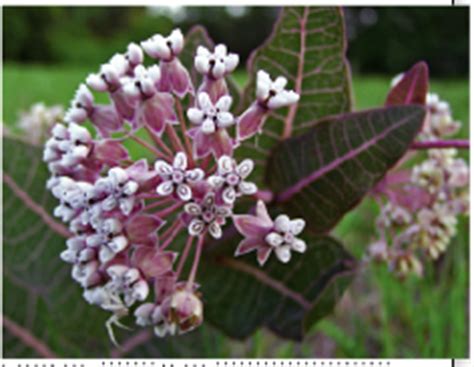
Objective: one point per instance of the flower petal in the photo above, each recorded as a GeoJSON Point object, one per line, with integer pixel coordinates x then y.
{"type": "Point", "coordinates": [298, 245]}
{"type": "Point", "coordinates": [163, 168]}
{"type": "Point", "coordinates": [297, 226]}
{"type": "Point", "coordinates": [282, 223]}
{"type": "Point", "coordinates": [283, 253]}
{"type": "Point", "coordinates": [165, 188]}
{"type": "Point", "coordinates": [251, 226]}
{"type": "Point", "coordinates": [196, 227]}
{"type": "Point", "coordinates": [184, 192]}
{"type": "Point", "coordinates": [215, 230]}
{"type": "Point", "coordinates": [180, 161]}
{"type": "Point", "coordinates": [274, 239]}
{"type": "Point", "coordinates": [263, 254]}
{"type": "Point", "coordinates": [247, 188]}
{"type": "Point", "coordinates": [247, 245]}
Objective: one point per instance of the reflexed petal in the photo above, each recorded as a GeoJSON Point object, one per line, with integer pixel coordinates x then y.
{"type": "Point", "coordinates": [283, 253]}
{"type": "Point", "coordinates": [215, 230]}
{"type": "Point", "coordinates": [251, 121]}
{"type": "Point", "coordinates": [297, 226]}
{"type": "Point", "coordinates": [247, 188]}
{"type": "Point", "coordinates": [274, 239]}
{"type": "Point", "coordinates": [202, 144]}
{"type": "Point", "coordinates": [298, 245]}
{"type": "Point", "coordinates": [184, 192]}
{"type": "Point", "coordinates": [262, 213]}
{"type": "Point", "coordinates": [196, 227]}
{"type": "Point", "coordinates": [251, 226]}
{"type": "Point", "coordinates": [221, 143]}
{"type": "Point", "coordinates": [263, 254]}
{"type": "Point", "coordinates": [282, 223]}
{"type": "Point", "coordinates": [247, 245]}
{"type": "Point", "coordinates": [165, 188]}
{"type": "Point", "coordinates": [180, 161]}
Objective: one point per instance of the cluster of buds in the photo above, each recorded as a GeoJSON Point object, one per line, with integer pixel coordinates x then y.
{"type": "Point", "coordinates": [35, 124]}
{"type": "Point", "coordinates": [419, 207]}
{"type": "Point", "coordinates": [126, 215]}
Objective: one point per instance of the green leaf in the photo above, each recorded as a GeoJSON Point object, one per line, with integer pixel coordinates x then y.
{"type": "Point", "coordinates": [240, 296]}
{"type": "Point", "coordinates": [308, 47]}
{"type": "Point", "coordinates": [198, 36]}
{"type": "Point", "coordinates": [324, 173]}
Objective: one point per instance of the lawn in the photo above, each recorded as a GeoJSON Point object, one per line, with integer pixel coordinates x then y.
{"type": "Point", "coordinates": [379, 315]}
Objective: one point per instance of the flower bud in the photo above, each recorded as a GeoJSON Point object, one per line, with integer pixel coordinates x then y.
{"type": "Point", "coordinates": [186, 310]}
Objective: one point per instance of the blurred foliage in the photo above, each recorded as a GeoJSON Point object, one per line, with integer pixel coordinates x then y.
{"type": "Point", "coordinates": [382, 39]}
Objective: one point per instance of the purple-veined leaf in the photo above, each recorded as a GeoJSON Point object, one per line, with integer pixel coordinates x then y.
{"type": "Point", "coordinates": [411, 88]}
{"type": "Point", "coordinates": [324, 173]}
{"type": "Point", "coordinates": [240, 296]}
{"type": "Point", "coordinates": [198, 36]}
{"type": "Point", "coordinates": [307, 46]}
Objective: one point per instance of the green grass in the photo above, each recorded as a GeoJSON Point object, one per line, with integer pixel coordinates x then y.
{"type": "Point", "coordinates": [379, 315]}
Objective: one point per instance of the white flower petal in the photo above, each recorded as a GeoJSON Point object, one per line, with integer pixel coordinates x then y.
{"type": "Point", "coordinates": [298, 245]}
{"type": "Point", "coordinates": [245, 168]}
{"type": "Point", "coordinates": [274, 239]}
{"type": "Point", "coordinates": [184, 192]}
{"type": "Point", "coordinates": [225, 165]}
{"type": "Point", "coordinates": [247, 188]}
{"type": "Point", "coordinates": [165, 188]}
{"type": "Point", "coordinates": [224, 103]}
{"type": "Point", "coordinates": [194, 175]}
{"type": "Point", "coordinates": [195, 115]}
{"type": "Point", "coordinates": [229, 195]}
{"type": "Point", "coordinates": [282, 223]}
{"type": "Point", "coordinates": [215, 181]}
{"type": "Point", "coordinates": [208, 126]}
{"type": "Point", "coordinates": [297, 226]}
{"type": "Point", "coordinates": [283, 253]}
{"type": "Point", "coordinates": [225, 119]}
{"type": "Point", "coordinates": [180, 161]}
{"type": "Point", "coordinates": [215, 230]}
{"type": "Point", "coordinates": [196, 227]}
{"type": "Point", "coordinates": [193, 209]}
{"type": "Point", "coordinates": [163, 168]}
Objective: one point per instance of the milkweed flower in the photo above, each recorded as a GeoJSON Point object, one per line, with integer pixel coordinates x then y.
{"type": "Point", "coordinates": [129, 209]}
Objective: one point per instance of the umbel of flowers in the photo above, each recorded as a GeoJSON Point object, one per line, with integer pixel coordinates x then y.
{"type": "Point", "coordinates": [126, 216]}
{"type": "Point", "coordinates": [420, 206]}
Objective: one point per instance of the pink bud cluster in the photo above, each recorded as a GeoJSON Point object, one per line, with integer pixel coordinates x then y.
{"type": "Point", "coordinates": [419, 207]}
{"type": "Point", "coordinates": [125, 215]}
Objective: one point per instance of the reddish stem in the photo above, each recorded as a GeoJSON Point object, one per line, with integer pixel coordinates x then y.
{"type": "Point", "coordinates": [264, 195]}
{"type": "Point", "coordinates": [175, 140]}
{"type": "Point", "coordinates": [441, 144]}
{"type": "Point", "coordinates": [197, 257]}
{"type": "Point", "coordinates": [159, 203]}
{"type": "Point", "coordinates": [184, 256]}
{"type": "Point", "coordinates": [165, 212]}
{"type": "Point", "coordinates": [159, 142]}
{"type": "Point", "coordinates": [154, 150]}
{"type": "Point", "coordinates": [171, 233]}
{"type": "Point", "coordinates": [182, 124]}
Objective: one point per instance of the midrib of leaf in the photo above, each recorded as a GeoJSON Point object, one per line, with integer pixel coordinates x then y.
{"type": "Point", "coordinates": [289, 192]}
{"type": "Point", "coordinates": [36, 208]}
{"type": "Point", "coordinates": [299, 76]}
{"type": "Point", "coordinates": [266, 280]}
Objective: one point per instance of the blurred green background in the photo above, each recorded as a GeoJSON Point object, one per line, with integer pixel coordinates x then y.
{"type": "Point", "coordinates": [48, 51]}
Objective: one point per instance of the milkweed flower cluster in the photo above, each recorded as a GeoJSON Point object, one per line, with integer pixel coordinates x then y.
{"type": "Point", "coordinates": [420, 207]}
{"type": "Point", "coordinates": [126, 215]}
{"type": "Point", "coordinates": [35, 123]}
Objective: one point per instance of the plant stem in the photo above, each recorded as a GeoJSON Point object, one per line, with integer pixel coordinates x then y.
{"type": "Point", "coordinates": [175, 140]}
{"type": "Point", "coordinates": [165, 212]}
{"type": "Point", "coordinates": [264, 195]}
{"type": "Point", "coordinates": [184, 256]}
{"type": "Point", "coordinates": [171, 233]}
{"type": "Point", "coordinates": [441, 144]}
{"type": "Point", "coordinates": [182, 123]}
{"type": "Point", "coordinates": [197, 257]}
{"type": "Point", "coordinates": [154, 150]}
{"type": "Point", "coordinates": [158, 203]}
{"type": "Point", "coordinates": [159, 142]}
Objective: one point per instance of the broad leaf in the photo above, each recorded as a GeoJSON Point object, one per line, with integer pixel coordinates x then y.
{"type": "Point", "coordinates": [198, 36]}
{"type": "Point", "coordinates": [324, 173]}
{"type": "Point", "coordinates": [307, 47]}
{"type": "Point", "coordinates": [411, 88]}
{"type": "Point", "coordinates": [289, 298]}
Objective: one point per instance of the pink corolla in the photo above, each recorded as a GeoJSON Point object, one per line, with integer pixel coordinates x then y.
{"type": "Point", "coordinates": [211, 135]}
{"type": "Point", "coordinates": [264, 235]}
